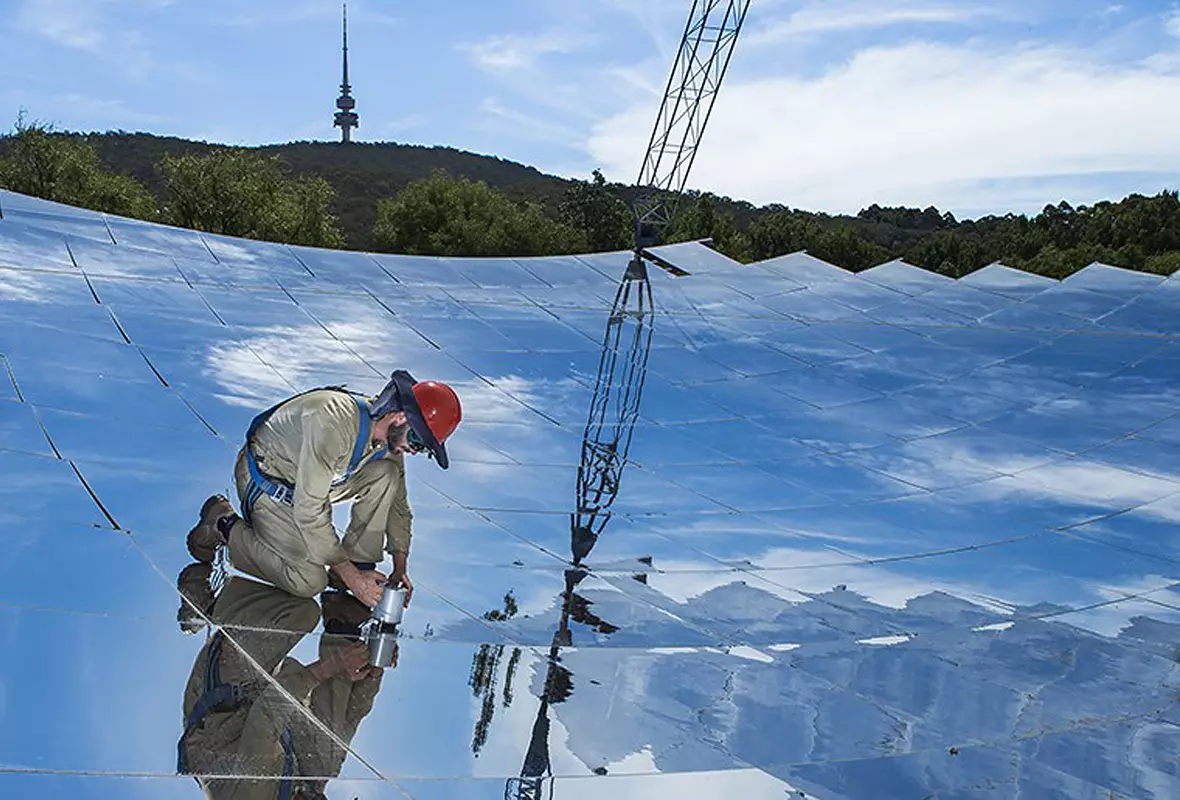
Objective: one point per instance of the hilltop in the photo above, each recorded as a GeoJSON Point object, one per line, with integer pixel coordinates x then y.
{"type": "Point", "coordinates": [442, 201]}
{"type": "Point", "coordinates": [361, 173]}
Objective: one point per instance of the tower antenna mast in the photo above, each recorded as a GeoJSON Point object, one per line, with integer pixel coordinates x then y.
{"type": "Point", "coordinates": [346, 118]}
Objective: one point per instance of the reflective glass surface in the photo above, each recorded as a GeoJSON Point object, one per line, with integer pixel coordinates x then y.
{"type": "Point", "coordinates": [883, 534]}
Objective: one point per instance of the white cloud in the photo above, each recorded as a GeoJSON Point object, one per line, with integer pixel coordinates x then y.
{"type": "Point", "coordinates": [662, 21]}
{"type": "Point", "coordinates": [235, 366]}
{"type": "Point", "coordinates": [829, 17]}
{"type": "Point", "coordinates": [922, 123]}
{"type": "Point", "coordinates": [110, 31]}
{"type": "Point", "coordinates": [527, 126]}
{"type": "Point", "coordinates": [299, 356]}
{"type": "Point", "coordinates": [85, 24]}
{"type": "Point", "coordinates": [641, 83]}
{"type": "Point", "coordinates": [1172, 23]}
{"type": "Point", "coordinates": [512, 52]}
{"type": "Point", "coordinates": [99, 110]}
{"type": "Point", "coordinates": [67, 22]}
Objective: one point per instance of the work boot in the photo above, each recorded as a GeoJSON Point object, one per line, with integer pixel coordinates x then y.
{"type": "Point", "coordinates": [204, 539]}
{"type": "Point", "coordinates": [197, 593]}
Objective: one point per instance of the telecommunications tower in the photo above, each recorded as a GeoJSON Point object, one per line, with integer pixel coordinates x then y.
{"type": "Point", "coordinates": [346, 117]}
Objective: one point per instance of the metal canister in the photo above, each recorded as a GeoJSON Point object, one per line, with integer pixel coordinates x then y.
{"type": "Point", "coordinates": [381, 629]}
{"type": "Point", "coordinates": [393, 603]}
{"type": "Point", "coordinates": [382, 646]}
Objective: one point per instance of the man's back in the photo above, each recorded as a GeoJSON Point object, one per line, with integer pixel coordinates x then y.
{"type": "Point", "coordinates": [314, 432]}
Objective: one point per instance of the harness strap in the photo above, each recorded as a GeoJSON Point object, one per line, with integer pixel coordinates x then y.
{"type": "Point", "coordinates": [288, 764]}
{"type": "Point", "coordinates": [220, 697]}
{"type": "Point", "coordinates": [279, 490]}
{"type": "Point", "coordinates": [217, 697]}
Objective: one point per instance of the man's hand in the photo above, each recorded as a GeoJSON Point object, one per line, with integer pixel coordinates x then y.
{"type": "Point", "coordinates": [404, 579]}
{"type": "Point", "coordinates": [367, 585]}
{"type": "Point", "coordinates": [350, 662]}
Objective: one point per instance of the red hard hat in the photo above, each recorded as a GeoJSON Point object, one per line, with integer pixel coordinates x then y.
{"type": "Point", "coordinates": [440, 407]}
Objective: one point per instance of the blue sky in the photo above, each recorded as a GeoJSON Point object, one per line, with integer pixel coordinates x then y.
{"type": "Point", "coordinates": [975, 107]}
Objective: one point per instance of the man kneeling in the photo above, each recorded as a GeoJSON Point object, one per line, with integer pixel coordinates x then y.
{"type": "Point", "coordinates": [322, 447]}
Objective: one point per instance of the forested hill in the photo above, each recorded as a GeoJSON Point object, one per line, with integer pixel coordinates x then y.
{"type": "Point", "coordinates": [361, 173]}
{"type": "Point", "coordinates": [440, 201]}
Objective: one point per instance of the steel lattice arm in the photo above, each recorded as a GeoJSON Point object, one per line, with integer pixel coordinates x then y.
{"type": "Point", "coordinates": [705, 50]}
{"type": "Point", "coordinates": [701, 62]}
{"type": "Point", "coordinates": [536, 775]}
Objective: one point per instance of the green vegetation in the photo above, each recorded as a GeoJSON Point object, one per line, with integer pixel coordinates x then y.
{"type": "Point", "coordinates": [597, 211]}
{"type": "Point", "coordinates": [242, 193]}
{"type": "Point", "coordinates": [233, 191]}
{"type": "Point", "coordinates": [37, 161]}
{"type": "Point", "coordinates": [440, 201]}
{"type": "Point", "coordinates": [445, 216]}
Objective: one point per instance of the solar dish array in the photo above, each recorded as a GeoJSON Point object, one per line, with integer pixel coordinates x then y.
{"type": "Point", "coordinates": [883, 534]}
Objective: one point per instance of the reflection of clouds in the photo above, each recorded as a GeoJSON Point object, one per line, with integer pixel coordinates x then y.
{"type": "Point", "coordinates": [789, 571]}
{"type": "Point", "coordinates": [502, 402]}
{"type": "Point", "coordinates": [291, 352]}
{"type": "Point", "coordinates": [1066, 481]}
{"type": "Point", "coordinates": [387, 344]}
{"type": "Point", "coordinates": [732, 525]}
{"type": "Point", "coordinates": [745, 651]}
{"type": "Point", "coordinates": [1138, 597]}
{"type": "Point", "coordinates": [503, 416]}
{"type": "Point", "coordinates": [783, 574]}
{"type": "Point", "coordinates": [299, 351]}
{"type": "Point", "coordinates": [831, 705]}
{"type": "Point", "coordinates": [234, 366]}
{"type": "Point", "coordinates": [794, 575]}
{"type": "Point", "coordinates": [1166, 509]}
{"type": "Point", "coordinates": [22, 286]}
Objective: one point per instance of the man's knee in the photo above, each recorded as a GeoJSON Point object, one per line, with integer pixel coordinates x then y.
{"type": "Point", "coordinates": [302, 618]}
{"type": "Point", "coordinates": [306, 581]}
{"type": "Point", "coordinates": [301, 579]}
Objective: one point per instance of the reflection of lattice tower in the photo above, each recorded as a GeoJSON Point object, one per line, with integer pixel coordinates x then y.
{"type": "Point", "coordinates": [346, 118]}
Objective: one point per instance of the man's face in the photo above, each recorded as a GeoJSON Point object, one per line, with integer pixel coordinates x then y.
{"type": "Point", "coordinates": [397, 432]}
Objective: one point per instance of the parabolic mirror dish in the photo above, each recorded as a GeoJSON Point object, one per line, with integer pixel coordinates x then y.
{"type": "Point", "coordinates": [883, 534]}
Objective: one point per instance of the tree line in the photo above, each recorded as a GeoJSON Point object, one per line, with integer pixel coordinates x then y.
{"type": "Point", "coordinates": [254, 193]}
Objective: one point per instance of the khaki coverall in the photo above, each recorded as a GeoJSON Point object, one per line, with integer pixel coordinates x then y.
{"type": "Point", "coordinates": [266, 623]}
{"type": "Point", "coordinates": [308, 442]}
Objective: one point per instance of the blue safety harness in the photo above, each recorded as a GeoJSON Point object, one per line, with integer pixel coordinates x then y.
{"type": "Point", "coordinates": [219, 698]}
{"type": "Point", "coordinates": [282, 492]}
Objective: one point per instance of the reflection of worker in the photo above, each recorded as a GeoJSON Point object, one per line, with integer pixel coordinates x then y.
{"type": "Point", "coordinates": [323, 447]}
{"type": "Point", "coordinates": [239, 714]}
{"type": "Point", "coordinates": [342, 701]}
